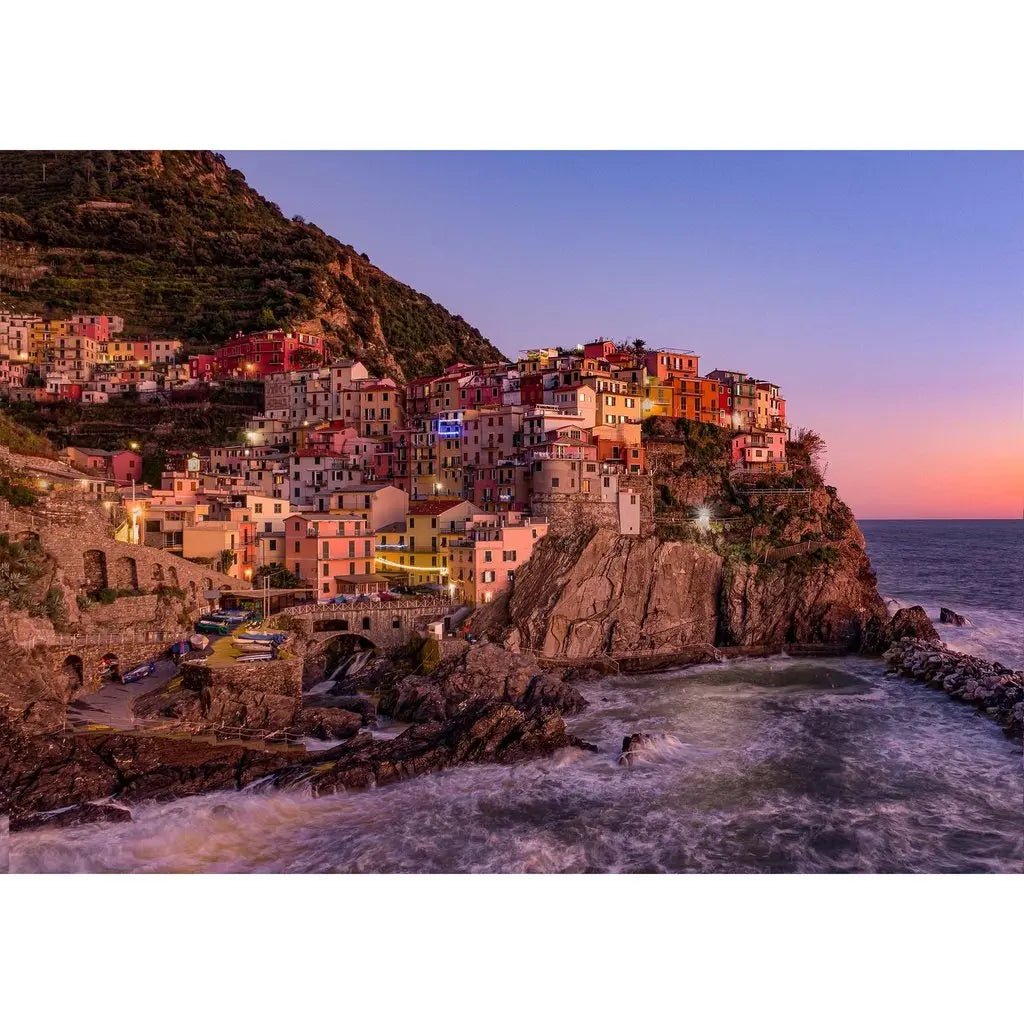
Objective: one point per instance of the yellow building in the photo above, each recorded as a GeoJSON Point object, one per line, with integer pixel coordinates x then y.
{"type": "Point", "coordinates": [658, 399]}
{"type": "Point", "coordinates": [414, 551]}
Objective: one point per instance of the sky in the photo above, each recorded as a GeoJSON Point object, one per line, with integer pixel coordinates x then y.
{"type": "Point", "coordinates": [883, 291]}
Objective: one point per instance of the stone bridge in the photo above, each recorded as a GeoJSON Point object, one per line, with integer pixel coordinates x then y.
{"type": "Point", "coordinates": [386, 625]}
{"type": "Point", "coordinates": [76, 662]}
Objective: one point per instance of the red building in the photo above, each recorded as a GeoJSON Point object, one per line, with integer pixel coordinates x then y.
{"type": "Point", "coordinates": [202, 367]}
{"type": "Point", "coordinates": [256, 355]}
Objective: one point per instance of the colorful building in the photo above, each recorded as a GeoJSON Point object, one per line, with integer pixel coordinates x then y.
{"type": "Point", "coordinates": [334, 553]}
{"type": "Point", "coordinates": [484, 562]}
{"type": "Point", "coordinates": [254, 356]}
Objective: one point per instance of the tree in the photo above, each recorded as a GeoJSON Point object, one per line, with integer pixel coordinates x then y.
{"type": "Point", "coordinates": [225, 560]}
{"type": "Point", "coordinates": [278, 575]}
{"type": "Point", "coordinates": [305, 358]}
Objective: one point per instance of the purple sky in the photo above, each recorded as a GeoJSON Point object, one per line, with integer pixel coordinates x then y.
{"type": "Point", "coordinates": [883, 291]}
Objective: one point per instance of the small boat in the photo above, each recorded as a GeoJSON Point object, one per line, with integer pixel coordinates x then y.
{"type": "Point", "coordinates": [198, 642]}
{"type": "Point", "coordinates": [231, 616]}
{"type": "Point", "coordinates": [254, 646]}
{"type": "Point", "coordinates": [261, 656]}
{"type": "Point", "coordinates": [139, 672]}
{"type": "Point", "coordinates": [212, 626]}
{"type": "Point", "coordinates": [267, 637]}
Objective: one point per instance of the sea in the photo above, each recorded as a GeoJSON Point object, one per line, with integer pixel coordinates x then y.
{"type": "Point", "coordinates": [772, 765]}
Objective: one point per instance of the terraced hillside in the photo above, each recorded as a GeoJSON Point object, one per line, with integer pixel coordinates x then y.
{"type": "Point", "coordinates": [180, 245]}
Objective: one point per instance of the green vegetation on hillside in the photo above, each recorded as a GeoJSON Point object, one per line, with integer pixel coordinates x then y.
{"type": "Point", "coordinates": [180, 245]}
{"type": "Point", "coordinates": [21, 440]}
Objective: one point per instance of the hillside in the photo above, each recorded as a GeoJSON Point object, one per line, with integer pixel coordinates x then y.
{"type": "Point", "coordinates": [180, 245]}
{"type": "Point", "coordinates": [21, 440]}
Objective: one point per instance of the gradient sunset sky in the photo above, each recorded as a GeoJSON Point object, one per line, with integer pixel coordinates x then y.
{"type": "Point", "coordinates": [883, 291]}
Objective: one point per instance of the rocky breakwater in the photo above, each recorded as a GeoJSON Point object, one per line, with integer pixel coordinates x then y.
{"type": "Point", "coordinates": [990, 687]}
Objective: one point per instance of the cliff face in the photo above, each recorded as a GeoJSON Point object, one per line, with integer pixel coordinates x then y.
{"type": "Point", "coordinates": [180, 245]}
{"type": "Point", "coordinates": [601, 593]}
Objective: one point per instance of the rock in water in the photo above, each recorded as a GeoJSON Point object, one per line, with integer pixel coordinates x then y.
{"type": "Point", "coordinates": [482, 670]}
{"type": "Point", "coordinates": [83, 814]}
{"type": "Point", "coordinates": [952, 618]}
{"type": "Point", "coordinates": [630, 745]}
{"type": "Point", "coordinates": [909, 623]}
{"type": "Point", "coordinates": [328, 723]}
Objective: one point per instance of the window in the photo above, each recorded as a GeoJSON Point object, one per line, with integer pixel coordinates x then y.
{"type": "Point", "coordinates": [298, 547]}
{"type": "Point", "coordinates": [327, 588]}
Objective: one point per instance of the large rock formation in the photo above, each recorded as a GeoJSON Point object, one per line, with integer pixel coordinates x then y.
{"type": "Point", "coordinates": [484, 671]}
{"type": "Point", "coordinates": [598, 593]}
{"type": "Point", "coordinates": [264, 695]}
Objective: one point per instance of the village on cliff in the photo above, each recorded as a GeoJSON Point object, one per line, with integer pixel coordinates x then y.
{"type": "Point", "coordinates": [347, 485]}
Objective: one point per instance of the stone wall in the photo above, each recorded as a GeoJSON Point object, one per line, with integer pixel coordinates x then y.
{"type": "Point", "coordinates": [87, 559]}
{"type": "Point", "coordinates": [571, 513]}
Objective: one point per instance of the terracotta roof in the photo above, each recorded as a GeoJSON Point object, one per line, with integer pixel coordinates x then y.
{"type": "Point", "coordinates": [433, 506]}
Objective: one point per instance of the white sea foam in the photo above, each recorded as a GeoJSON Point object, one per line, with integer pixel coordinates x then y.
{"type": "Point", "coordinates": [812, 767]}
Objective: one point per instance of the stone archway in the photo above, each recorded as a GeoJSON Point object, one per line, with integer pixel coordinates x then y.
{"type": "Point", "coordinates": [338, 656]}
{"type": "Point", "coordinates": [72, 673]}
{"type": "Point", "coordinates": [158, 574]}
{"type": "Point", "coordinates": [126, 573]}
{"type": "Point", "coordinates": [172, 574]}
{"type": "Point", "coordinates": [95, 566]}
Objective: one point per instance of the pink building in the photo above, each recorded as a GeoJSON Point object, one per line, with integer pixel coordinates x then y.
{"type": "Point", "coordinates": [759, 451]}
{"type": "Point", "coordinates": [120, 466]}
{"type": "Point", "coordinates": [484, 563]}
{"type": "Point", "coordinates": [333, 553]}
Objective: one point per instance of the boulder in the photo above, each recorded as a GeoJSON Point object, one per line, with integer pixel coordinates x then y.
{"type": "Point", "coordinates": [910, 623]}
{"type": "Point", "coordinates": [83, 814]}
{"type": "Point", "coordinates": [482, 670]}
{"type": "Point", "coordinates": [328, 723]}
{"type": "Point", "coordinates": [630, 745]}
{"type": "Point", "coordinates": [952, 618]}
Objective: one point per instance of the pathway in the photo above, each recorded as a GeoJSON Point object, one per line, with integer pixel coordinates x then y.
{"type": "Point", "coordinates": [112, 704]}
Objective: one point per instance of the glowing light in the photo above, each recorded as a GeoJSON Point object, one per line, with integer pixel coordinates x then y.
{"type": "Point", "coordinates": [251, 436]}
{"type": "Point", "coordinates": [134, 445]}
{"type": "Point", "coordinates": [412, 568]}
{"type": "Point", "coordinates": [703, 518]}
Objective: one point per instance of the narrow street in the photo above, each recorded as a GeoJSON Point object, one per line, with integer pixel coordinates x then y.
{"type": "Point", "coordinates": [112, 704]}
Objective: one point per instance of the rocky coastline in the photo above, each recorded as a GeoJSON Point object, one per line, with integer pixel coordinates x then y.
{"type": "Point", "coordinates": [587, 603]}
{"type": "Point", "coordinates": [478, 705]}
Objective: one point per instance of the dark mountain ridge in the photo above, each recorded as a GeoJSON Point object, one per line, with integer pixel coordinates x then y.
{"type": "Point", "coordinates": [180, 245]}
